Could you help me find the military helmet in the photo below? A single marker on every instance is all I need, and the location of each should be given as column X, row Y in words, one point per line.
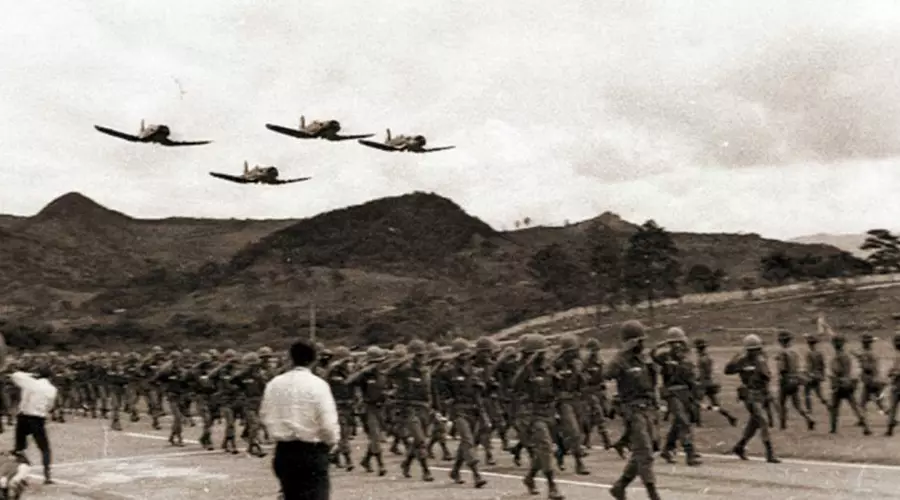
column 867, row 338
column 592, row 344
column 157, row 349
column 434, row 348
column 400, row 350
column 568, row 342
column 533, row 343
column 251, row 358
column 341, row 352
column 417, row 347
column 460, row 345
column 265, row 351
column 676, row 334
column 811, row 338
column 175, row 355
column 229, row 354
column 374, row 352
column 699, row 343
column 632, row 330
column 206, row 357
column 752, row 342
column 838, row 339
column 485, row 344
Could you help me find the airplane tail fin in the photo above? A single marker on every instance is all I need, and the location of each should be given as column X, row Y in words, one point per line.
column 302, row 122
column 388, row 135
column 246, row 167
column 142, row 124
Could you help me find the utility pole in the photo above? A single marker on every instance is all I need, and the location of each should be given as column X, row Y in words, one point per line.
column 312, row 321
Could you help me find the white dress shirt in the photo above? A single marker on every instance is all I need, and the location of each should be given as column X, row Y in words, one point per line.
column 38, row 394
column 299, row 406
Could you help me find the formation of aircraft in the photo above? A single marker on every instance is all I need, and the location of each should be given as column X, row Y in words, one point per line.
column 158, row 134
column 261, row 174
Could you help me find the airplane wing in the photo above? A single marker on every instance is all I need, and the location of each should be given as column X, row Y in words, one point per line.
column 349, row 137
column 169, row 142
column 116, row 133
column 299, row 134
column 377, row 145
column 289, row 181
column 232, row 178
column 433, row 150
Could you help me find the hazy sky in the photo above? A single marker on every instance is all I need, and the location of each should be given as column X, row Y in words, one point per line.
column 781, row 118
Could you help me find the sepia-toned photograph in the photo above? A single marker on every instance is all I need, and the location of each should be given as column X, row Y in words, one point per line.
column 496, row 250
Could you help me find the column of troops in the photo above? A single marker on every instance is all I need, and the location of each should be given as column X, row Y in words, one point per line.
column 535, row 400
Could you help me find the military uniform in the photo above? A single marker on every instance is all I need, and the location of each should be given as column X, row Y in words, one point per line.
column 569, row 383
column 679, row 383
column 412, row 378
column 707, row 387
column 843, row 385
column 337, row 375
column 466, row 390
column 596, row 397
column 894, row 375
column 371, row 382
column 790, row 381
column 753, row 370
column 869, row 375
column 815, row 373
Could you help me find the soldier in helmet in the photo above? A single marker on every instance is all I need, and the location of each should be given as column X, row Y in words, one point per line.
column 569, row 384
column 535, row 382
column 336, row 374
column 596, row 397
column 894, row 390
column 680, row 384
column 751, row 366
column 502, row 371
column 172, row 380
column 707, row 387
column 815, row 372
column 204, row 390
column 226, row 395
column 372, row 383
column 789, row 380
column 630, row 369
column 843, row 386
column 251, row 384
column 869, row 375
column 466, row 390
column 412, row 378
column 483, row 362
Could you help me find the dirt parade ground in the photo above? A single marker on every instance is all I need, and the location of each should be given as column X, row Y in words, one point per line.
column 94, row 463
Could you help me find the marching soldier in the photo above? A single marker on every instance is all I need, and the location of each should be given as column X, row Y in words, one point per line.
column 413, row 381
column 466, row 390
column 843, row 385
column 595, row 390
column 707, row 387
column 677, row 373
column 815, row 372
column 337, row 374
column 630, row 368
column 171, row 378
column 894, row 375
column 504, row 370
column 485, row 347
column 752, row 368
column 868, row 368
column 569, row 381
column 789, row 380
column 226, row 397
column 117, row 380
column 204, row 390
column 250, row 384
column 372, row 383
column 535, row 382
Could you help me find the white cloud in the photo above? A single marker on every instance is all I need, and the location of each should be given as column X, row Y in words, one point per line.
column 777, row 117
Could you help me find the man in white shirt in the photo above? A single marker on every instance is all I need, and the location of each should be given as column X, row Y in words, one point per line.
column 37, row 399
column 300, row 413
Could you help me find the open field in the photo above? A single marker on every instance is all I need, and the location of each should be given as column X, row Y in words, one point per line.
column 139, row 464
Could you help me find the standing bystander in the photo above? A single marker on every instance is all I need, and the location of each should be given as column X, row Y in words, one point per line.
column 300, row 413
column 38, row 397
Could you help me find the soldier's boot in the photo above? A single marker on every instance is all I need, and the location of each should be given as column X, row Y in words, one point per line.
column 770, row 454
column 692, row 458
column 135, row 417
column 395, row 446
column 517, row 454
column 116, row 425
column 489, row 457
column 447, row 456
column 580, row 468
column 380, row 461
column 652, row 494
column 455, row 474
column 104, row 413
column 349, row 460
column 833, row 421
column 529, row 483
column 810, row 423
column 553, row 490
column 604, row 436
column 740, row 449
column 406, row 465
column 560, row 458
column 156, row 425
column 890, row 429
column 426, row 472
column 732, row 420
column 476, row 475
column 366, row 462
column 256, row 450
column 205, row 440
column 175, row 439
column 667, row 455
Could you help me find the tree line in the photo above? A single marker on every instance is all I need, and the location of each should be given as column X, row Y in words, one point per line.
column 647, row 266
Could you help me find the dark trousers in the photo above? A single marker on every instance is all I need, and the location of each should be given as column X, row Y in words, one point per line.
column 28, row 425
column 302, row 470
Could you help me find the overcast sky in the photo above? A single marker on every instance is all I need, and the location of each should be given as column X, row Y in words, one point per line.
column 773, row 117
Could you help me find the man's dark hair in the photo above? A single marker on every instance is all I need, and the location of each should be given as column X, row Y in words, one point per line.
column 303, row 353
